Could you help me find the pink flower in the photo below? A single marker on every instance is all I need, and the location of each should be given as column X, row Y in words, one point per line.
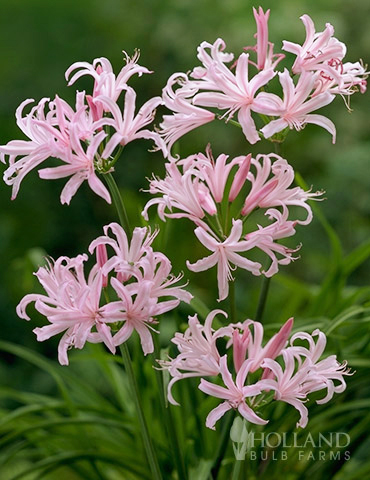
column 288, row 385
column 326, row 370
column 198, row 355
column 127, row 126
column 136, row 313
column 213, row 173
column 304, row 374
column 59, row 133
column 266, row 239
column 223, row 254
column 268, row 192
column 180, row 191
column 128, row 255
column 71, row 304
column 213, row 85
column 198, row 188
column 234, row 93
column 80, row 165
column 156, row 269
column 107, row 89
column 138, row 305
column 136, row 260
column 294, row 110
column 249, row 346
column 234, row 394
column 275, row 191
column 42, row 144
column 106, row 83
column 341, row 78
column 317, row 49
column 186, row 116
column 265, row 57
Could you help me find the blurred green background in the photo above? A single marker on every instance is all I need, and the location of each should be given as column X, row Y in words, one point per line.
column 39, row 39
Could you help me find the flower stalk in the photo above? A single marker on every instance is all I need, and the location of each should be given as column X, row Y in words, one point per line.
column 118, row 203
column 148, row 445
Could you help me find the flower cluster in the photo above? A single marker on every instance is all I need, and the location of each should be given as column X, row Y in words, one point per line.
column 319, row 71
column 79, row 136
column 140, row 280
column 256, row 368
column 219, row 196
column 241, row 207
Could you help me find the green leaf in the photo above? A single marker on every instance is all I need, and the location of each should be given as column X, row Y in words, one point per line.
column 356, row 258
column 65, row 458
column 348, row 314
column 202, row 471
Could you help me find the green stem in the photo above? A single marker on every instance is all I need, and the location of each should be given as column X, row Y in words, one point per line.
column 262, row 299
column 118, row 203
column 219, row 226
column 226, row 224
column 232, row 301
column 149, row 449
column 169, row 421
column 222, row 444
column 237, row 468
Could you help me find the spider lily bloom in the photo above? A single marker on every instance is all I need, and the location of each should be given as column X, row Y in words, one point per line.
column 181, row 192
column 346, row 79
column 294, row 110
column 198, row 355
column 205, row 76
column 325, row 371
column 213, row 173
column 318, row 48
column 128, row 255
column 265, row 238
column 224, row 254
column 139, row 304
column 248, row 346
column 265, row 57
column 156, row 268
column 322, row 53
column 196, row 187
column 214, row 85
column 56, row 133
column 136, row 313
column 71, row 305
column 186, row 116
column 289, row 385
column 304, row 373
column 80, row 165
column 236, row 93
column 105, row 81
column 127, row 125
column 234, row 394
column 273, row 191
column 136, row 260
column 44, row 141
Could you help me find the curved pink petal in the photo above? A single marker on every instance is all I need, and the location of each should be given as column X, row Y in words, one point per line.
column 250, row 415
column 215, row 414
